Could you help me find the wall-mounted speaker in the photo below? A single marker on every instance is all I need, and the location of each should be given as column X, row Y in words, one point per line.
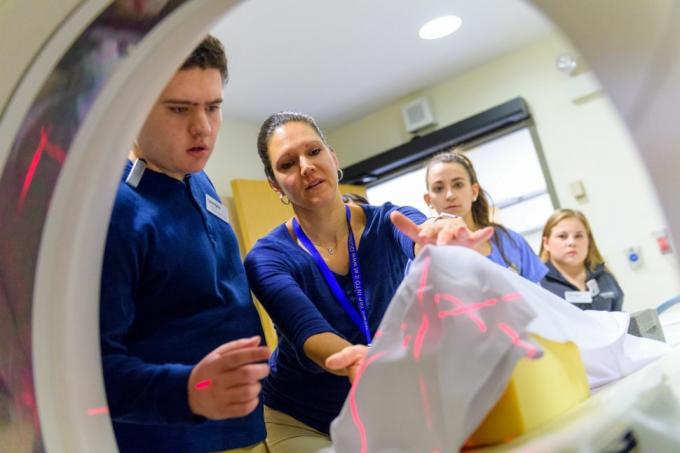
column 417, row 115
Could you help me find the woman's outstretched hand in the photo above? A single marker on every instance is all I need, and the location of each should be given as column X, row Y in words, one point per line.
column 440, row 231
column 350, row 358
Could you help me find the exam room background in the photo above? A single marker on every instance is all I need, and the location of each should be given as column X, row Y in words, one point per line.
column 582, row 141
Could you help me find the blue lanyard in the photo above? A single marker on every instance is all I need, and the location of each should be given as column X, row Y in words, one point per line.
column 360, row 318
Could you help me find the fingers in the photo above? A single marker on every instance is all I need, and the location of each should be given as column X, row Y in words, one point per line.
column 482, row 235
column 235, row 359
column 244, row 375
column 238, row 344
column 406, row 226
column 349, row 356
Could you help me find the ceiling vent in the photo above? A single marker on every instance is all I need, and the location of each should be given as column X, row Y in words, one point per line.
column 417, row 115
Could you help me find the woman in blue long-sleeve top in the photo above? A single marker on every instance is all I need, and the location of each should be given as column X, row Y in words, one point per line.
column 325, row 277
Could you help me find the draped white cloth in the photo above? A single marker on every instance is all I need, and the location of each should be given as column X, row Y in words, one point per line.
column 448, row 344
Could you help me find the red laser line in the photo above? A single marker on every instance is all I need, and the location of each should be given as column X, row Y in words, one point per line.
column 420, row 336
column 511, row 296
column 425, row 321
column 423, row 280
column 55, row 152
column 516, row 340
column 52, row 150
column 356, row 418
column 30, row 173
column 97, row 410
column 426, row 403
column 468, row 310
column 203, row 384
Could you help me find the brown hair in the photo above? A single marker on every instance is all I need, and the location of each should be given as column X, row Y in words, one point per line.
column 481, row 207
column 593, row 258
column 208, row 55
column 270, row 125
column 350, row 197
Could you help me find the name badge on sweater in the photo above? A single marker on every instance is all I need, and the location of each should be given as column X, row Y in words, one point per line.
column 216, row 208
column 578, row 297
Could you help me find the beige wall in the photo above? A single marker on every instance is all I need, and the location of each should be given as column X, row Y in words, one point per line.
column 235, row 155
column 585, row 141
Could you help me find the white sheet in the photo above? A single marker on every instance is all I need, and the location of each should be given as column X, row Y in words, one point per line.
column 447, row 347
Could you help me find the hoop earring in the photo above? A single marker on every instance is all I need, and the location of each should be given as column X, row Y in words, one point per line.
column 285, row 201
column 341, row 174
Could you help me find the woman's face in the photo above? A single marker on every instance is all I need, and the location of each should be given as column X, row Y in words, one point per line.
column 567, row 242
column 449, row 189
column 305, row 169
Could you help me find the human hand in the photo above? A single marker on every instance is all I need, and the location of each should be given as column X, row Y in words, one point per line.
column 226, row 382
column 440, row 231
column 350, row 358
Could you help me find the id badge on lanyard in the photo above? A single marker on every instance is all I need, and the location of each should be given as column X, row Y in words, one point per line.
column 359, row 317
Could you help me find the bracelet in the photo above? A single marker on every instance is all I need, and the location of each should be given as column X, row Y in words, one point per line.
column 446, row 215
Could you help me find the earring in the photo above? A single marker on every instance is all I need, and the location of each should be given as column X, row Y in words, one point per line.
column 284, row 199
column 341, row 174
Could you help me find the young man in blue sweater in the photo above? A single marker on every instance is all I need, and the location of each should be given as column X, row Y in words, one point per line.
column 180, row 336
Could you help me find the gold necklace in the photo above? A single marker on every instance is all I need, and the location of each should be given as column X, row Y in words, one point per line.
column 330, row 250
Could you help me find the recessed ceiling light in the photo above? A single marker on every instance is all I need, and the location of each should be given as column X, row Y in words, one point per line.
column 440, row 27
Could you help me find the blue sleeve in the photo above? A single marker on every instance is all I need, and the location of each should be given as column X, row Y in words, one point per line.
column 270, row 275
column 532, row 267
column 137, row 391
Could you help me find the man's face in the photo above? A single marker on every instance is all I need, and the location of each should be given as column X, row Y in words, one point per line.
column 179, row 134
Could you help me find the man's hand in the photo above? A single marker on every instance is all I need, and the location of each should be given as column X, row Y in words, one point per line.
column 350, row 359
column 226, row 383
column 443, row 231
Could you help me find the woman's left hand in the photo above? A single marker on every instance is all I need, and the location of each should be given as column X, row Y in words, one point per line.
column 440, row 231
column 350, row 358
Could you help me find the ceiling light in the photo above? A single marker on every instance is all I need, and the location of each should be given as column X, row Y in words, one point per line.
column 440, row 27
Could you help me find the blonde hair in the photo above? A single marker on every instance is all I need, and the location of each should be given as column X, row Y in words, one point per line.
column 593, row 257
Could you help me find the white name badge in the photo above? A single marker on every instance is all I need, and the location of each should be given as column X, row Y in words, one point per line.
column 578, row 297
column 593, row 287
column 216, row 208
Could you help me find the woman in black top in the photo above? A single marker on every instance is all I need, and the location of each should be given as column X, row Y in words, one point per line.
column 576, row 270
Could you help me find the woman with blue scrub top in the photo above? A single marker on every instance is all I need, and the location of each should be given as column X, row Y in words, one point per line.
column 576, row 270
column 325, row 277
column 453, row 190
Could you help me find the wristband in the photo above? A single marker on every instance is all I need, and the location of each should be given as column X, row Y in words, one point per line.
column 446, row 215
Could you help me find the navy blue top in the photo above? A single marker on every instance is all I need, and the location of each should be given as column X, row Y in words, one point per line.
column 608, row 297
column 516, row 254
column 286, row 280
column 173, row 289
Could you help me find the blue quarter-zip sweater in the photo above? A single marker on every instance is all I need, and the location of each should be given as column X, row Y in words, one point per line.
column 173, row 289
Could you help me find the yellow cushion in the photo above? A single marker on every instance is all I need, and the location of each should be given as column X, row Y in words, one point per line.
column 539, row 390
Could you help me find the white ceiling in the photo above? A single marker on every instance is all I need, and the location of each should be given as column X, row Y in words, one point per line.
column 340, row 60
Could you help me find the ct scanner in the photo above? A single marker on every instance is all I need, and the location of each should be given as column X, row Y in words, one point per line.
column 78, row 81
